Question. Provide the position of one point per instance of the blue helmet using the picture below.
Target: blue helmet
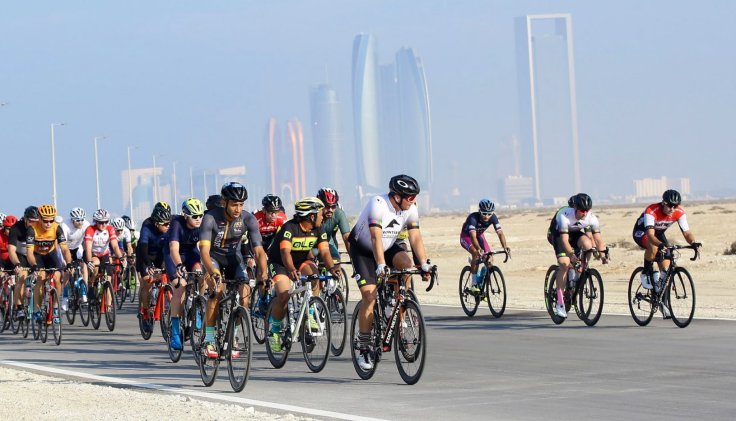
(486, 206)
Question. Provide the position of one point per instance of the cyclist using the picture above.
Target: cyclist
(373, 247)
(220, 236)
(17, 254)
(270, 218)
(75, 241)
(213, 201)
(149, 253)
(568, 234)
(8, 223)
(473, 240)
(99, 239)
(290, 257)
(130, 225)
(42, 239)
(182, 254)
(125, 240)
(334, 219)
(649, 232)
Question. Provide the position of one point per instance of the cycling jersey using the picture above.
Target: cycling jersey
(76, 235)
(268, 229)
(379, 212)
(17, 236)
(564, 222)
(188, 238)
(301, 242)
(43, 240)
(223, 236)
(151, 242)
(331, 225)
(100, 239)
(4, 246)
(123, 239)
(654, 217)
(474, 222)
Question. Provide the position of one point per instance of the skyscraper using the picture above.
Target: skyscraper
(327, 137)
(365, 113)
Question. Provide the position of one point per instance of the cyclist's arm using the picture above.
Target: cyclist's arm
(261, 261)
(174, 252)
(30, 244)
(88, 249)
(502, 238)
(417, 244)
(13, 254)
(565, 239)
(65, 252)
(344, 227)
(285, 250)
(473, 240)
(345, 241)
(377, 243)
(652, 235)
(116, 249)
(599, 243)
(204, 252)
(689, 236)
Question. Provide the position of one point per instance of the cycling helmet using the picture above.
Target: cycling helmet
(308, 205)
(192, 206)
(31, 212)
(58, 219)
(486, 206)
(9, 221)
(47, 211)
(671, 197)
(118, 224)
(272, 203)
(77, 213)
(129, 223)
(403, 185)
(162, 205)
(214, 201)
(101, 215)
(328, 196)
(234, 191)
(161, 215)
(582, 201)
(2, 218)
(571, 202)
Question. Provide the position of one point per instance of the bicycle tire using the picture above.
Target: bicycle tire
(256, 318)
(42, 325)
(165, 321)
(496, 291)
(338, 318)
(84, 313)
(240, 349)
(55, 304)
(590, 296)
(343, 284)
(551, 301)
(133, 282)
(316, 345)
(72, 306)
(410, 342)
(196, 339)
(468, 300)
(23, 325)
(355, 354)
(641, 300)
(121, 294)
(146, 330)
(682, 308)
(208, 368)
(7, 310)
(278, 359)
(109, 305)
(94, 303)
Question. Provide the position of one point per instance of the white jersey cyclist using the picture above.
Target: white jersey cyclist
(381, 213)
(565, 222)
(75, 239)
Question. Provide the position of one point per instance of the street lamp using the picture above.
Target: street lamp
(97, 170)
(155, 179)
(53, 158)
(130, 183)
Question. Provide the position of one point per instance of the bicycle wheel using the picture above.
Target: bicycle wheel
(175, 354)
(108, 298)
(257, 316)
(338, 318)
(356, 354)
(42, 325)
(468, 300)
(121, 294)
(208, 366)
(94, 307)
(146, 326)
(72, 307)
(278, 357)
(550, 299)
(496, 292)
(239, 357)
(410, 342)
(196, 339)
(681, 297)
(165, 320)
(590, 297)
(133, 284)
(343, 285)
(84, 313)
(7, 310)
(315, 338)
(24, 324)
(641, 300)
(55, 305)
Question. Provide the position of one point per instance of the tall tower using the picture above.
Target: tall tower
(365, 112)
(327, 137)
(548, 102)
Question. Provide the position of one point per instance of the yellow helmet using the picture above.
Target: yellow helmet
(308, 205)
(47, 211)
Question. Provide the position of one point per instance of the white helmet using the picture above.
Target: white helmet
(101, 215)
(2, 217)
(77, 213)
(58, 219)
(118, 223)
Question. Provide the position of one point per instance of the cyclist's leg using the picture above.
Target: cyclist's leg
(563, 263)
(467, 244)
(144, 287)
(309, 268)
(237, 270)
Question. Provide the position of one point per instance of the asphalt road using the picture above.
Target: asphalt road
(521, 366)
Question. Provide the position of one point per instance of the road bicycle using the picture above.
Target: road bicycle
(158, 309)
(232, 340)
(259, 302)
(118, 287)
(50, 310)
(307, 321)
(676, 291)
(189, 322)
(336, 302)
(130, 279)
(7, 297)
(22, 325)
(398, 323)
(77, 289)
(491, 289)
(584, 290)
(101, 299)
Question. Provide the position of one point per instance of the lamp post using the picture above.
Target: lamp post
(130, 183)
(173, 183)
(191, 183)
(97, 170)
(156, 186)
(53, 159)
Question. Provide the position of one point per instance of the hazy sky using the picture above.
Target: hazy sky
(196, 81)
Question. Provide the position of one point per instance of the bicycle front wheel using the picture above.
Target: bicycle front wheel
(590, 297)
(55, 305)
(165, 321)
(257, 316)
(641, 300)
(121, 294)
(315, 335)
(42, 325)
(468, 300)
(356, 353)
(196, 339)
(239, 358)
(338, 318)
(343, 285)
(550, 299)
(7, 310)
(278, 352)
(133, 284)
(496, 292)
(94, 307)
(410, 342)
(108, 300)
(208, 366)
(681, 297)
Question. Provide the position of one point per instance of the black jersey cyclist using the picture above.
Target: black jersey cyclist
(150, 251)
(220, 236)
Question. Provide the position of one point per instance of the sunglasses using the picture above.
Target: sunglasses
(101, 222)
(165, 224)
(670, 206)
(331, 207)
(410, 197)
(77, 221)
(197, 216)
(48, 221)
(486, 213)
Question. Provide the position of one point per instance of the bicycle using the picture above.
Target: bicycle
(188, 321)
(130, 279)
(584, 290)
(7, 306)
(27, 306)
(296, 326)
(259, 309)
(397, 318)
(118, 287)
(101, 299)
(336, 302)
(491, 289)
(157, 308)
(75, 304)
(672, 291)
(50, 310)
(232, 340)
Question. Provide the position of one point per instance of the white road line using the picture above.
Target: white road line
(188, 392)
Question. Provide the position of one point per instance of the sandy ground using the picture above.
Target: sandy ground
(531, 256)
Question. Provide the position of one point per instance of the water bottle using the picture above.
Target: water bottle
(189, 301)
(65, 292)
(572, 277)
(656, 276)
(291, 309)
(482, 272)
(154, 295)
(82, 287)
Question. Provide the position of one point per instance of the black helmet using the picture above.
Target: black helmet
(162, 205)
(671, 197)
(582, 201)
(571, 201)
(234, 191)
(161, 215)
(31, 212)
(328, 196)
(403, 185)
(214, 201)
(271, 203)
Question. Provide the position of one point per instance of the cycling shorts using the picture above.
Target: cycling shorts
(48, 261)
(642, 239)
(277, 269)
(231, 266)
(466, 242)
(556, 240)
(189, 259)
(365, 265)
(158, 262)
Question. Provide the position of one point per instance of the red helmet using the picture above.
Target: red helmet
(10, 220)
(328, 196)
